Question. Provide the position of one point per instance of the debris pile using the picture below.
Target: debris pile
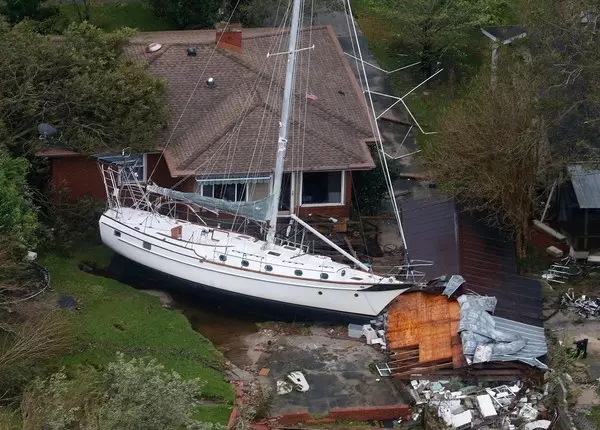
(584, 306)
(464, 407)
(374, 333)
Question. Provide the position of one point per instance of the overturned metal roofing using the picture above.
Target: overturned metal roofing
(586, 183)
(487, 338)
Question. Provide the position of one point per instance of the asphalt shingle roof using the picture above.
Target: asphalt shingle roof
(232, 128)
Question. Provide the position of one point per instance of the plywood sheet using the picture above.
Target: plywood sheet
(430, 321)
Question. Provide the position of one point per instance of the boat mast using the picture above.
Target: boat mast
(284, 123)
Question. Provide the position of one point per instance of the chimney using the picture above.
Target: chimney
(229, 36)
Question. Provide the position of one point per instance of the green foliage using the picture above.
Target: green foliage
(115, 317)
(72, 222)
(266, 13)
(441, 31)
(85, 86)
(17, 10)
(188, 14)
(17, 213)
(128, 394)
(370, 187)
(114, 15)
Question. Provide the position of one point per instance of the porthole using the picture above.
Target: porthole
(298, 272)
(324, 276)
(245, 263)
(343, 273)
(320, 293)
(268, 268)
(146, 245)
(223, 257)
(355, 294)
(276, 254)
(117, 233)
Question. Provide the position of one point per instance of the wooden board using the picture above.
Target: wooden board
(429, 321)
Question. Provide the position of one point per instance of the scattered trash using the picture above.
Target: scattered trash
(263, 372)
(583, 306)
(536, 425)
(355, 331)
(486, 407)
(298, 379)
(284, 387)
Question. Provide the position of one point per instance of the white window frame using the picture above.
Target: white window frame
(293, 196)
(144, 173)
(315, 205)
(246, 184)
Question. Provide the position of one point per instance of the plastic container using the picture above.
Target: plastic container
(355, 331)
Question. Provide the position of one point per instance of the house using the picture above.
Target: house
(224, 94)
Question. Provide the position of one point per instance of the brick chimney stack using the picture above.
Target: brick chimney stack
(229, 36)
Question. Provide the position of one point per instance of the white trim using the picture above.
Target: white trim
(316, 205)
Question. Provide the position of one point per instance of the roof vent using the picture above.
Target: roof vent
(153, 47)
(191, 52)
(210, 83)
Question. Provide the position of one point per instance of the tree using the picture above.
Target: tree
(18, 10)
(441, 30)
(188, 14)
(18, 218)
(563, 43)
(492, 149)
(129, 394)
(268, 13)
(85, 86)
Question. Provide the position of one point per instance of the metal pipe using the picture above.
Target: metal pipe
(330, 243)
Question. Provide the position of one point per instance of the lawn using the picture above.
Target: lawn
(113, 317)
(110, 16)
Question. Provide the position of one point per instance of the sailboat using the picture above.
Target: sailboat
(267, 268)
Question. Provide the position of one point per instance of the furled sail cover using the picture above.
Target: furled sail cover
(257, 210)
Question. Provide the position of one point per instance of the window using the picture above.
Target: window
(298, 272)
(117, 233)
(269, 268)
(324, 276)
(229, 192)
(134, 170)
(245, 263)
(322, 188)
(146, 245)
(223, 257)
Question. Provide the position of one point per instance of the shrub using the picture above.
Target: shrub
(135, 394)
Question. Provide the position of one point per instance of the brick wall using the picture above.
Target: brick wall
(80, 175)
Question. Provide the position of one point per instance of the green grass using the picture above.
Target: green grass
(594, 415)
(113, 317)
(111, 16)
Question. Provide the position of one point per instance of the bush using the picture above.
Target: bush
(370, 187)
(71, 222)
(133, 394)
(27, 346)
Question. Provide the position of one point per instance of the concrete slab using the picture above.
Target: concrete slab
(337, 371)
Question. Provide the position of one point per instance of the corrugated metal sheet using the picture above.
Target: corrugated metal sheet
(586, 183)
(534, 336)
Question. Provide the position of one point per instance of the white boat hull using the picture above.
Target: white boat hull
(187, 264)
